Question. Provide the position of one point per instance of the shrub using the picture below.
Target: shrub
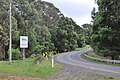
(38, 49)
(15, 53)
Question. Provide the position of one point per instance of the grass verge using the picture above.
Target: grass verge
(92, 54)
(99, 62)
(28, 68)
(87, 46)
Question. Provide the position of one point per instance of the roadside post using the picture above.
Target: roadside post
(52, 61)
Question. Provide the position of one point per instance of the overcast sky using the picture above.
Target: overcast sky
(78, 10)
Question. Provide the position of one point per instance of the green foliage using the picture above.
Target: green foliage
(66, 37)
(38, 49)
(15, 54)
(86, 33)
(105, 30)
(42, 22)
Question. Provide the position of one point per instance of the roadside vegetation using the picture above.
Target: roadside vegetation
(44, 24)
(103, 34)
(28, 68)
(87, 46)
(105, 31)
(49, 31)
(90, 53)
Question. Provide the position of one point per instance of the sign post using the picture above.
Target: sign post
(23, 54)
(23, 44)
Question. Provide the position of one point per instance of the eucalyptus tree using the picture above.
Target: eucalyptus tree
(106, 31)
(66, 37)
(4, 22)
(43, 23)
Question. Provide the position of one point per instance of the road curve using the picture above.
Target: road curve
(73, 58)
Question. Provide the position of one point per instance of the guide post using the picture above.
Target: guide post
(52, 61)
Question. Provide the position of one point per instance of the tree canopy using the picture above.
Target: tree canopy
(106, 28)
(43, 23)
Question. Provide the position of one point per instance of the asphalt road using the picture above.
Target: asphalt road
(73, 59)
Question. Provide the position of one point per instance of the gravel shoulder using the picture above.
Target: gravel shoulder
(70, 72)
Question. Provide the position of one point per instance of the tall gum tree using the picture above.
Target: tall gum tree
(105, 30)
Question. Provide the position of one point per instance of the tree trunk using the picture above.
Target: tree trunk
(0, 51)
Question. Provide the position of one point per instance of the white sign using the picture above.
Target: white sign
(23, 41)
